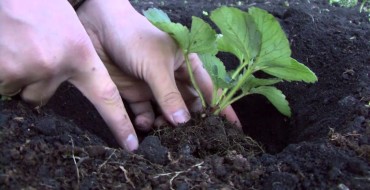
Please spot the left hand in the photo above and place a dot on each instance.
(145, 63)
(42, 44)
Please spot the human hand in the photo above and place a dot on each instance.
(145, 63)
(42, 44)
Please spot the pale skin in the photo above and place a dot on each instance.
(108, 51)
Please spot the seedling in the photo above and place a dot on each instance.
(345, 3)
(349, 3)
(254, 37)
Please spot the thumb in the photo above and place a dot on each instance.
(167, 95)
(95, 83)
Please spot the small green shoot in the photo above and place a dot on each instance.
(349, 3)
(5, 98)
(363, 4)
(345, 3)
(368, 105)
(255, 38)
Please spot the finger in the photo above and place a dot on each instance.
(10, 86)
(94, 82)
(144, 115)
(137, 99)
(201, 77)
(39, 93)
(190, 96)
(10, 93)
(160, 121)
(168, 97)
(231, 116)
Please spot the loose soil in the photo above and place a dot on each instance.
(324, 145)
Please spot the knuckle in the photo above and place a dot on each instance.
(48, 67)
(46, 63)
(82, 47)
(172, 98)
(110, 94)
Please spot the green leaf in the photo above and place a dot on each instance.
(291, 70)
(177, 31)
(216, 70)
(225, 46)
(156, 15)
(274, 57)
(275, 44)
(239, 32)
(276, 97)
(253, 82)
(202, 37)
(345, 3)
(255, 37)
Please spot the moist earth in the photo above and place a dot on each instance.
(324, 145)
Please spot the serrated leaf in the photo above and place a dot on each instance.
(202, 37)
(264, 82)
(275, 53)
(291, 70)
(275, 44)
(225, 46)
(177, 31)
(239, 32)
(216, 70)
(276, 97)
(253, 82)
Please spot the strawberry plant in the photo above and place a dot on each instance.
(254, 37)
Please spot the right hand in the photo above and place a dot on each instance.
(145, 63)
(42, 44)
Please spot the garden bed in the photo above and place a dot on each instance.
(324, 145)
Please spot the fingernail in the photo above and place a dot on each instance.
(181, 116)
(131, 143)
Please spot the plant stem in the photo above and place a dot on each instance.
(215, 96)
(226, 101)
(235, 74)
(235, 99)
(239, 69)
(193, 81)
(362, 5)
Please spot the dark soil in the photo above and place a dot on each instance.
(324, 145)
